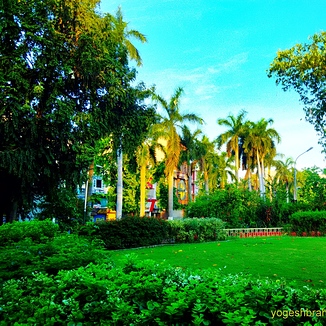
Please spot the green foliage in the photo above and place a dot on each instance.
(145, 293)
(64, 252)
(64, 206)
(129, 232)
(27, 247)
(312, 190)
(302, 68)
(163, 196)
(236, 207)
(36, 231)
(308, 221)
(190, 230)
(243, 208)
(65, 84)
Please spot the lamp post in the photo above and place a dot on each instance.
(295, 176)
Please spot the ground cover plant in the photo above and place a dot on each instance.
(299, 259)
(146, 293)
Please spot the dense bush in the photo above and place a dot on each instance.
(129, 232)
(308, 222)
(37, 231)
(65, 252)
(132, 232)
(241, 208)
(27, 247)
(197, 230)
(237, 207)
(148, 294)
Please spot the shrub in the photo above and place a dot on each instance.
(132, 232)
(145, 293)
(37, 231)
(236, 207)
(65, 252)
(308, 222)
(197, 230)
(129, 232)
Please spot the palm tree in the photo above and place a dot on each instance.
(224, 169)
(258, 143)
(123, 34)
(145, 156)
(232, 136)
(284, 173)
(190, 153)
(170, 122)
(206, 150)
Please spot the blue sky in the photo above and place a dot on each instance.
(219, 52)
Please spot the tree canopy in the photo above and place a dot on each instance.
(302, 68)
(64, 84)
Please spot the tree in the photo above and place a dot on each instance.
(65, 84)
(146, 155)
(259, 141)
(224, 169)
(123, 35)
(206, 150)
(284, 174)
(190, 154)
(170, 122)
(302, 68)
(232, 136)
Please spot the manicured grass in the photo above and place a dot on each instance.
(294, 258)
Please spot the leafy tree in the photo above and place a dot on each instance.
(302, 68)
(122, 34)
(65, 83)
(312, 189)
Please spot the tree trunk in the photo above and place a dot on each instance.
(237, 164)
(263, 189)
(189, 170)
(119, 186)
(90, 182)
(170, 194)
(259, 173)
(142, 190)
(249, 180)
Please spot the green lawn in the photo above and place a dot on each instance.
(293, 258)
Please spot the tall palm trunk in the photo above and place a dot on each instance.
(119, 185)
(237, 164)
(189, 170)
(142, 189)
(206, 182)
(259, 171)
(170, 193)
(262, 184)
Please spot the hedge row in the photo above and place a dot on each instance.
(132, 232)
(145, 293)
(308, 222)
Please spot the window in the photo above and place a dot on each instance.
(98, 183)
